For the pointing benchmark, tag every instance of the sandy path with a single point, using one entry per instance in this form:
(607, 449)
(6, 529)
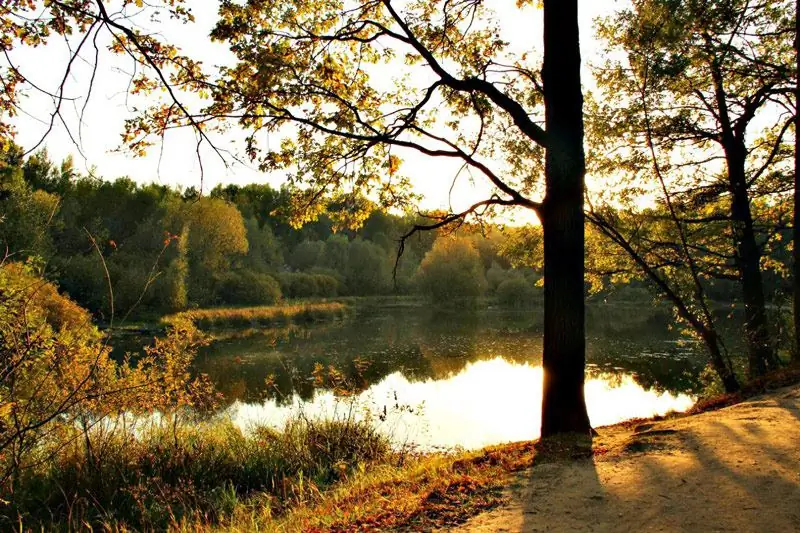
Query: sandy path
(736, 469)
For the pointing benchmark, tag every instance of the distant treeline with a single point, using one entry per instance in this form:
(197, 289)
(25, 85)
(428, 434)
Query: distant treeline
(165, 250)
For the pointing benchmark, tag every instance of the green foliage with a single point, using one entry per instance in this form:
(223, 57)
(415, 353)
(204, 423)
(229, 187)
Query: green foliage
(248, 288)
(264, 253)
(452, 273)
(173, 285)
(369, 270)
(307, 255)
(304, 285)
(82, 277)
(518, 292)
(25, 213)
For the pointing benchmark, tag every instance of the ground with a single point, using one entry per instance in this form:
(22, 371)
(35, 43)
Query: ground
(735, 469)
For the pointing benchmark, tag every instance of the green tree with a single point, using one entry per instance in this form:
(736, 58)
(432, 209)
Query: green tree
(369, 270)
(307, 255)
(451, 274)
(217, 237)
(25, 214)
(697, 79)
(264, 253)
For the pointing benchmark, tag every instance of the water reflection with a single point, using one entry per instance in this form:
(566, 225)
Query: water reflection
(426, 345)
(485, 402)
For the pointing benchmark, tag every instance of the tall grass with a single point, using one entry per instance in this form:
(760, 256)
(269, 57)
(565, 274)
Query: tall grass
(155, 478)
(265, 316)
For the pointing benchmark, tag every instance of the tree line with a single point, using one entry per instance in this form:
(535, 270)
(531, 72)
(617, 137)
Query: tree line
(161, 250)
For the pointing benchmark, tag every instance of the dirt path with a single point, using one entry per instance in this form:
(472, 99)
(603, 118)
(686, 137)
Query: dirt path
(736, 469)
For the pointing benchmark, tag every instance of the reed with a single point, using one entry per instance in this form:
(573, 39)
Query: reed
(263, 316)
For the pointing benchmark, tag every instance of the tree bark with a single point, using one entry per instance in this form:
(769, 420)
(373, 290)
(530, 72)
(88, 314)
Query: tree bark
(761, 353)
(796, 218)
(564, 358)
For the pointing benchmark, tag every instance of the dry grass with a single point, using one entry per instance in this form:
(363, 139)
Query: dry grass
(420, 493)
(264, 316)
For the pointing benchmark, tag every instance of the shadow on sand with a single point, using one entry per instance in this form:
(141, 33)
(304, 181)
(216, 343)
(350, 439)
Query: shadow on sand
(735, 470)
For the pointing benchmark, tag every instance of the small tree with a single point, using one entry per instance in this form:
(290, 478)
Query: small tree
(369, 270)
(452, 273)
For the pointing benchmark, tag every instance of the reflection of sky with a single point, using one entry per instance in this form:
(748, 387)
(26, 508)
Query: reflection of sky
(489, 402)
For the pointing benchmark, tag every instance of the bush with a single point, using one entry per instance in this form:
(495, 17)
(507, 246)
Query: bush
(327, 286)
(495, 276)
(245, 287)
(517, 292)
(59, 379)
(305, 285)
(452, 273)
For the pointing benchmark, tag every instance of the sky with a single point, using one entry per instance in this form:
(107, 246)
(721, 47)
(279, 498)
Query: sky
(95, 143)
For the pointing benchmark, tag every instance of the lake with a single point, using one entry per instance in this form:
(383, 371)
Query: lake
(441, 379)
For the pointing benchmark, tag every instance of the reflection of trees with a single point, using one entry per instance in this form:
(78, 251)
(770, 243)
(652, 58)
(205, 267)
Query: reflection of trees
(428, 344)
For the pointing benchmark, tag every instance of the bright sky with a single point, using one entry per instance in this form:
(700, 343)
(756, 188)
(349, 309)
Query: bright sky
(176, 163)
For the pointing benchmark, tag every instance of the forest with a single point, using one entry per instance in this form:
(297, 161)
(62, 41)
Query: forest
(643, 165)
(167, 250)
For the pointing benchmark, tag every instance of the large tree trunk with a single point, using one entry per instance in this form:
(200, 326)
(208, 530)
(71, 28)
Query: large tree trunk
(796, 220)
(761, 353)
(563, 403)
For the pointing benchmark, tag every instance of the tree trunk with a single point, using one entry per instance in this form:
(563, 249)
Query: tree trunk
(563, 403)
(721, 367)
(761, 354)
(796, 220)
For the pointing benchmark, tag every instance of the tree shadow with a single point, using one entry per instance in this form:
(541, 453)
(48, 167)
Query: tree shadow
(564, 496)
(732, 471)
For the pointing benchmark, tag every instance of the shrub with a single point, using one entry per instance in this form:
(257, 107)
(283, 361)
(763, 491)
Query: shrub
(305, 285)
(517, 292)
(302, 285)
(452, 273)
(245, 287)
(495, 276)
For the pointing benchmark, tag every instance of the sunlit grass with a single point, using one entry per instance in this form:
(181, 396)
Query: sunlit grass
(417, 492)
(157, 475)
(263, 316)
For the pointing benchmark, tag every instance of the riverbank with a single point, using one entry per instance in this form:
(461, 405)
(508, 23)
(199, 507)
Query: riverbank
(682, 473)
(733, 468)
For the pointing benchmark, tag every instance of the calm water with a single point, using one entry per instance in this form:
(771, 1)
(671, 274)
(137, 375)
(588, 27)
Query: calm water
(451, 379)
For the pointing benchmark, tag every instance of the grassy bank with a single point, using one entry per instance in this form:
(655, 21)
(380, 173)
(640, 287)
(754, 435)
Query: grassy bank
(310, 475)
(158, 475)
(264, 316)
